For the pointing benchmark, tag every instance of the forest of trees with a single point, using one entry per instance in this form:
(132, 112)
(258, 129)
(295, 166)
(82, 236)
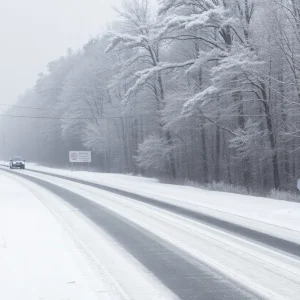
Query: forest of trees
(204, 90)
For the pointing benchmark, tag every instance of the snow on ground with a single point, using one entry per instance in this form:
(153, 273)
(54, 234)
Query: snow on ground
(272, 274)
(37, 259)
(256, 212)
(49, 268)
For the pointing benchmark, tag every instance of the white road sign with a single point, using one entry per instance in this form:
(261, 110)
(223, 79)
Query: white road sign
(80, 156)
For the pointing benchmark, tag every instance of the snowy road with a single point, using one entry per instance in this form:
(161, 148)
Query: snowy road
(140, 251)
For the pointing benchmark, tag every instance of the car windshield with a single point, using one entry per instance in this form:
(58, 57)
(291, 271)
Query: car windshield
(17, 158)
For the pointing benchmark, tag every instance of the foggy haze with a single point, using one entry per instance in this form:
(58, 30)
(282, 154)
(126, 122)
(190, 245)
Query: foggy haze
(144, 148)
(34, 32)
(164, 94)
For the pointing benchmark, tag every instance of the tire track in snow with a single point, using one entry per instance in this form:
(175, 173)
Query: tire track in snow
(260, 237)
(188, 279)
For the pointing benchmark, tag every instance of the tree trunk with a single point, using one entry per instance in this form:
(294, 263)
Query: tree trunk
(204, 155)
(218, 154)
(246, 166)
(125, 144)
(285, 127)
(167, 134)
(171, 163)
(271, 135)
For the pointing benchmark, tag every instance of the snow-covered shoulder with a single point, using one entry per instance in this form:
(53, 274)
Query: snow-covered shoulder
(37, 259)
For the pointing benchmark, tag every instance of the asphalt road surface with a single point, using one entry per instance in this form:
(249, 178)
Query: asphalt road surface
(181, 272)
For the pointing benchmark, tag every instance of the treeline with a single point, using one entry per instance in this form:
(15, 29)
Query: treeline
(205, 90)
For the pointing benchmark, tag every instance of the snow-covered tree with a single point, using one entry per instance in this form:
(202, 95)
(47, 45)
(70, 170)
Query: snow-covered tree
(140, 42)
(206, 90)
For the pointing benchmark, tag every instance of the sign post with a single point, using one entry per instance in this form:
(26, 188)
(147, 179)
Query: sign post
(80, 157)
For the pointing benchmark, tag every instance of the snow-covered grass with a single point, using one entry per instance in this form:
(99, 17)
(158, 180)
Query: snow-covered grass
(228, 188)
(234, 189)
(284, 195)
(218, 187)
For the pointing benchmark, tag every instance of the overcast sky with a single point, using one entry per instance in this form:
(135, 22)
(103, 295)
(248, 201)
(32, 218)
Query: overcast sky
(34, 32)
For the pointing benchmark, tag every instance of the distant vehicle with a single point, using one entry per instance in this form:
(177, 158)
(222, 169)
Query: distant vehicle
(17, 162)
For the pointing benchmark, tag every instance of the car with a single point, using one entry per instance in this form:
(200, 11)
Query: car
(17, 162)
